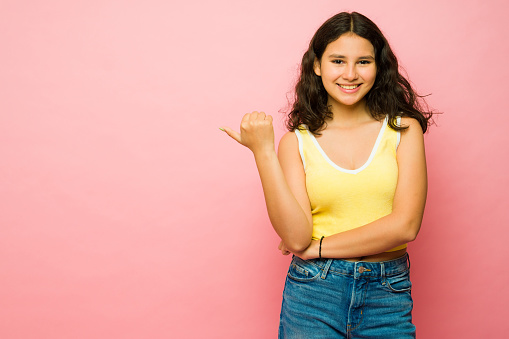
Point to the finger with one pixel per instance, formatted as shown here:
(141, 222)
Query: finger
(269, 118)
(246, 117)
(283, 248)
(261, 116)
(234, 135)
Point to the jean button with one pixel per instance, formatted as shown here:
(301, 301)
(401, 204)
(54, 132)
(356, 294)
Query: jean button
(362, 269)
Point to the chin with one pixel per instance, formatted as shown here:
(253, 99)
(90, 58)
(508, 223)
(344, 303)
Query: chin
(349, 102)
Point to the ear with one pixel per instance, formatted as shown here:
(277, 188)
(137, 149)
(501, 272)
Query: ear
(316, 67)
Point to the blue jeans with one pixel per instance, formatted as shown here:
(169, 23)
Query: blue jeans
(331, 298)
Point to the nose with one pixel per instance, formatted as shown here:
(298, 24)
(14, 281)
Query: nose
(350, 72)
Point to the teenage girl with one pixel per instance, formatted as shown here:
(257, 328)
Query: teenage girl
(347, 191)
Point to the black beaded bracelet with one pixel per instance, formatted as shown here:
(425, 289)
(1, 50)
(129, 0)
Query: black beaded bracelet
(320, 248)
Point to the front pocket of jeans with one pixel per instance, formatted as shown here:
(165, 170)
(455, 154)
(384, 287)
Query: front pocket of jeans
(301, 270)
(399, 283)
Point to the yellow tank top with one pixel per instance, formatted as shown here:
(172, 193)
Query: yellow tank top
(343, 199)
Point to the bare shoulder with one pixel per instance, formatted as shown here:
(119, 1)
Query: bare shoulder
(288, 143)
(412, 139)
(413, 125)
(289, 154)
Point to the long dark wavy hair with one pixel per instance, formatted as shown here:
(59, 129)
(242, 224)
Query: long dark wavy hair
(390, 95)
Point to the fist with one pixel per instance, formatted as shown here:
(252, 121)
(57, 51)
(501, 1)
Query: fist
(256, 132)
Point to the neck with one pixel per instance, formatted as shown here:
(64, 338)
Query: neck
(348, 115)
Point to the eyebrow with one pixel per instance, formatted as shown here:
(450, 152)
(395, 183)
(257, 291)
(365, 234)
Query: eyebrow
(339, 56)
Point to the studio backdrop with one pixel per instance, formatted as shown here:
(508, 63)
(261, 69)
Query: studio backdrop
(126, 213)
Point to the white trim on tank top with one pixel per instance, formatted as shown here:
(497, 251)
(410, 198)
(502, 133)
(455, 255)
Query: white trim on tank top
(301, 150)
(398, 139)
(366, 164)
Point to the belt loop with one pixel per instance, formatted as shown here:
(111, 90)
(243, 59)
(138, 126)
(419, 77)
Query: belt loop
(326, 268)
(408, 258)
(382, 270)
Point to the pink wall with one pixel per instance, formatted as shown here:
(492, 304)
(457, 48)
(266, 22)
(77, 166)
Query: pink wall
(126, 213)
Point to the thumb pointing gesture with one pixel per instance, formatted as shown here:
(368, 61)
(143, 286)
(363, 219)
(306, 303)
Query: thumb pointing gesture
(256, 132)
(234, 135)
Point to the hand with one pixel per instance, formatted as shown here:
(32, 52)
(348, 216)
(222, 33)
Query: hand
(256, 132)
(311, 252)
(283, 249)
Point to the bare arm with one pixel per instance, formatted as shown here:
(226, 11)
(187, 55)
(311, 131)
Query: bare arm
(288, 208)
(397, 228)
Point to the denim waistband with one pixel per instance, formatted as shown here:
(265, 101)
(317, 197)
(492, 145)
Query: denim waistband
(363, 268)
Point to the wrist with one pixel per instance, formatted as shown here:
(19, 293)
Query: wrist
(264, 153)
(312, 251)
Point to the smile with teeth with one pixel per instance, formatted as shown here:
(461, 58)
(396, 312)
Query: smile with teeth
(349, 86)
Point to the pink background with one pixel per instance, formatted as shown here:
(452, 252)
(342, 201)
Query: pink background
(126, 213)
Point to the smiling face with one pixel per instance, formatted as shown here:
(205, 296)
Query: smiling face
(347, 69)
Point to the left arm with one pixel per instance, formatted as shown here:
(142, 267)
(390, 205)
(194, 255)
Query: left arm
(400, 226)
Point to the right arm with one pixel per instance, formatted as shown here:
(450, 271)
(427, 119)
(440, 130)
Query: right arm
(283, 179)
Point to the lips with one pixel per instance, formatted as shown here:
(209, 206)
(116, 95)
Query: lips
(349, 86)
(349, 89)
